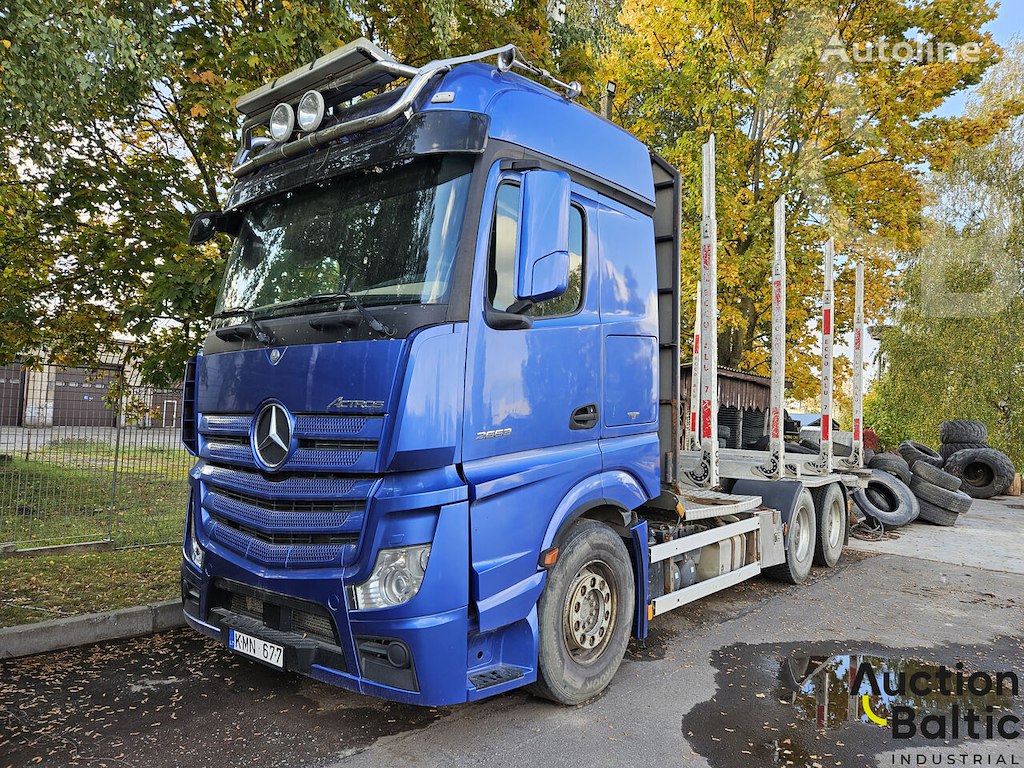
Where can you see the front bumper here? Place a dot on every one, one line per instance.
(414, 653)
(436, 648)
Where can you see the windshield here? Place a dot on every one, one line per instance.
(387, 236)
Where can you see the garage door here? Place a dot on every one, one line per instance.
(12, 393)
(80, 398)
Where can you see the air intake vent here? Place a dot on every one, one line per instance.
(189, 426)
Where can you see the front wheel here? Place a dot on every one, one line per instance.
(584, 615)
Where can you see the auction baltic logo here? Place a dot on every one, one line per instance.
(954, 685)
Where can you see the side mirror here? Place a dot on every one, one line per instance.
(208, 223)
(204, 226)
(542, 264)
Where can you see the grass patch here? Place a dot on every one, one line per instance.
(39, 588)
(70, 491)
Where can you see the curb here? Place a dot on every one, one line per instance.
(58, 634)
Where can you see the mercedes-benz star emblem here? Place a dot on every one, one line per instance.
(272, 437)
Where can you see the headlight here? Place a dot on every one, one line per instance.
(311, 111)
(396, 578)
(282, 122)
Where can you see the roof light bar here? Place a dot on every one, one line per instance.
(353, 69)
(350, 71)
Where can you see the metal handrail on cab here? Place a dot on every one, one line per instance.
(345, 74)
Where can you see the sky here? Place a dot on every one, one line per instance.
(1006, 26)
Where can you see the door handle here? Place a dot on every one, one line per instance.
(584, 417)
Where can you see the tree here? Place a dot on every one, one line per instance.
(99, 179)
(954, 350)
(797, 110)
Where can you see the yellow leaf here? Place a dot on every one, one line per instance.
(6, 44)
(198, 110)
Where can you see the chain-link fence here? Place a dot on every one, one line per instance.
(87, 455)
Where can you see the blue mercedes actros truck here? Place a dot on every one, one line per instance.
(437, 415)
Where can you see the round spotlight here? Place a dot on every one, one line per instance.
(311, 110)
(282, 122)
(506, 58)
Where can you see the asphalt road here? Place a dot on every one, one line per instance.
(705, 690)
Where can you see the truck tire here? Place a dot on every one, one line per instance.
(800, 543)
(937, 476)
(953, 501)
(830, 520)
(585, 615)
(895, 465)
(901, 503)
(986, 472)
(880, 500)
(763, 443)
(915, 452)
(937, 515)
(948, 449)
(963, 431)
(838, 449)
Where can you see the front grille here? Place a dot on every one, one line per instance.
(285, 555)
(317, 444)
(286, 539)
(308, 513)
(293, 505)
(325, 442)
(294, 485)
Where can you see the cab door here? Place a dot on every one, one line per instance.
(536, 388)
(532, 418)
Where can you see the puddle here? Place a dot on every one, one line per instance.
(791, 705)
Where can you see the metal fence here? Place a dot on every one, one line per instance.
(89, 455)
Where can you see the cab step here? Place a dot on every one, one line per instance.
(503, 673)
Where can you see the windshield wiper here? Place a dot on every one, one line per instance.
(260, 333)
(340, 296)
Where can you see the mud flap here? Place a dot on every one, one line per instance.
(776, 494)
(638, 552)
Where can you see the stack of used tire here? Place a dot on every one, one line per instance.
(887, 498)
(938, 493)
(984, 471)
(961, 435)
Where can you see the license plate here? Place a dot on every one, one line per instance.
(255, 648)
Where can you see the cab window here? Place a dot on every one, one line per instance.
(501, 271)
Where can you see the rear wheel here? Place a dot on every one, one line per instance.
(831, 519)
(800, 537)
(585, 615)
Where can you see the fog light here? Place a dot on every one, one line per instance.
(282, 122)
(311, 111)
